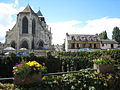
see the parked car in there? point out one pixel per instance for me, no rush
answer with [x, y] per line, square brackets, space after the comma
[1, 54]
[22, 53]
[7, 53]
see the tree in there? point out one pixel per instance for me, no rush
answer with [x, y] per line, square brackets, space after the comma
[103, 35]
[63, 46]
[116, 34]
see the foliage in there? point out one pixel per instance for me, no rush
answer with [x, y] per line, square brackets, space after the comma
[7, 86]
[27, 68]
[64, 61]
[48, 52]
[104, 60]
[84, 80]
[12, 54]
[63, 46]
[32, 54]
[103, 35]
[116, 34]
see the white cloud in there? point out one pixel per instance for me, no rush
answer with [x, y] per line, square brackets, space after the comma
[90, 27]
[6, 17]
[16, 2]
[61, 28]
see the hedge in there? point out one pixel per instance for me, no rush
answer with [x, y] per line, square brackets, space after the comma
[7, 63]
[84, 80]
[64, 61]
[72, 61]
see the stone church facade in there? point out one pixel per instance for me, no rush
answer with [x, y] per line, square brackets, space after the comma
[30, 31]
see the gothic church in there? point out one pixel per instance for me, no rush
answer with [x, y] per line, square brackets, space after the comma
[30, 31]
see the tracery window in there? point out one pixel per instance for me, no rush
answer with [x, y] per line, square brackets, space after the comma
[24, 44]
[25, 25]
[33, 26]
[13, 44]
[40, 44]
[32, 44]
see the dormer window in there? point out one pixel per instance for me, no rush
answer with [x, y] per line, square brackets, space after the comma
[73, 38]
[83, 38]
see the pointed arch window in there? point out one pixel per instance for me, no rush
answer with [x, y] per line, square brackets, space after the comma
[13, 44]
[25, 25]
[32, 44]
[33, 26]
[40, 44]
[24, 44]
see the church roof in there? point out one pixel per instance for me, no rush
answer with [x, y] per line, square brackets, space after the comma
[39, 13]
[28, 9]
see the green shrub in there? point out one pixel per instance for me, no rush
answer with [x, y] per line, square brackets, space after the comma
[84, 80]
[64, 61]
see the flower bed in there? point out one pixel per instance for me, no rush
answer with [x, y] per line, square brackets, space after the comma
[28, 73]
[104, 64]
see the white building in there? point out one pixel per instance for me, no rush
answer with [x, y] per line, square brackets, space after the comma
[108, 44]
[30, 31]
[74, 42]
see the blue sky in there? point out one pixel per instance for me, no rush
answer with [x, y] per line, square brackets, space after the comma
[65, 16]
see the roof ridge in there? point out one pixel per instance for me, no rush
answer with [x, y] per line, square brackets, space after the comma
[39, 13]
[28, 9]
[83, 34]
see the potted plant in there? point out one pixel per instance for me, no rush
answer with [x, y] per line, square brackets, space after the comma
[28, 73]
[104, 64]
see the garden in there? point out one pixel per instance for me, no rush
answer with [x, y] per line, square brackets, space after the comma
[97, 70]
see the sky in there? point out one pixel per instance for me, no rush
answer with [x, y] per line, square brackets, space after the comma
[65, 16]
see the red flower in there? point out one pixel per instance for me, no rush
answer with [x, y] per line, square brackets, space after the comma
[14, 70]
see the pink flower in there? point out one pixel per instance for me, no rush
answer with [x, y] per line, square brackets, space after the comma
[19, 66]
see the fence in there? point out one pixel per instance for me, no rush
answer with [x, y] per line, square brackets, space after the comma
[48, 74]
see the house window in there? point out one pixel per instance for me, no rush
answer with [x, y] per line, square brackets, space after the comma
[25, 25]
[73, 38]
[112, 46]
[102, 45]
[90, 45]
[72, 46]
[95, 46]
[84, 45]
[77, 45]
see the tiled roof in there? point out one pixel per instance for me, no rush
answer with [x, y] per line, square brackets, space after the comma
[28, 9]
[39, 13]
[109, 42]
[82, 37]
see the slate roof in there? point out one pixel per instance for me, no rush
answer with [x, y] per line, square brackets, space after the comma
[39, 13]
[109, 42]
[82, 37]
[27, 9]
